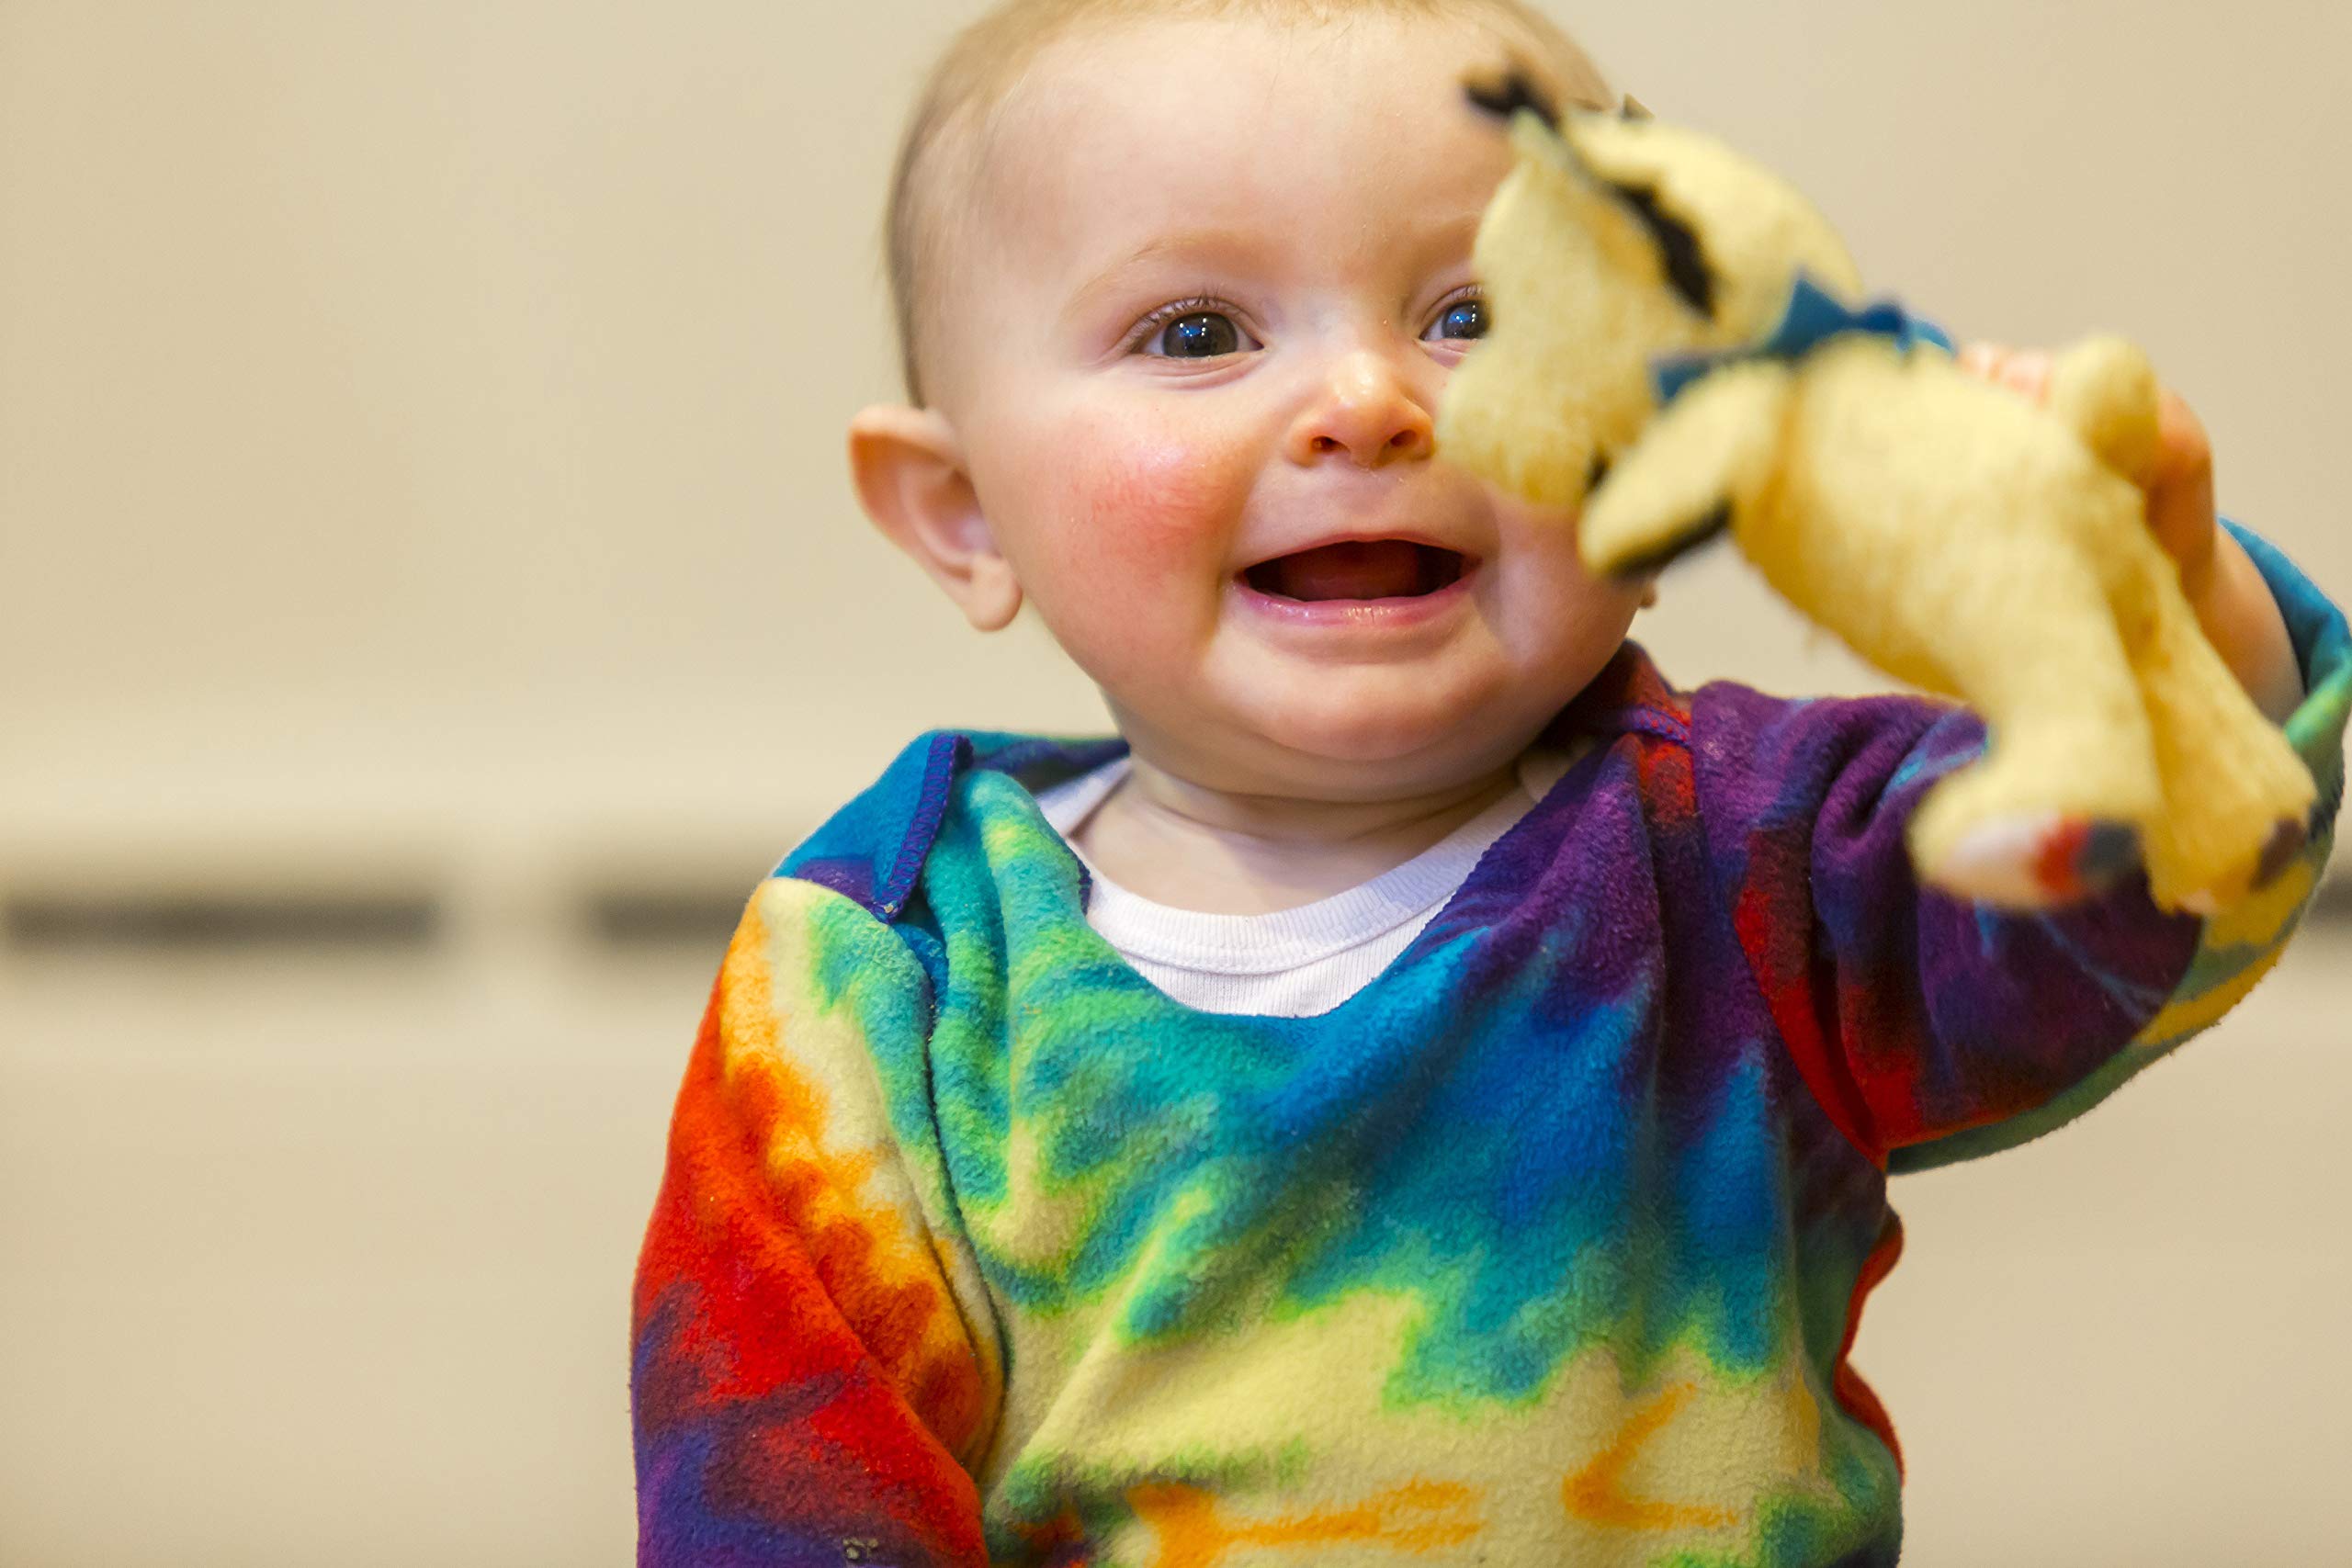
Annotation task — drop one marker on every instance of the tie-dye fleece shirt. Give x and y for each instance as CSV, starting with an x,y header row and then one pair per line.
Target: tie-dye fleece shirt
x,y
1547,1247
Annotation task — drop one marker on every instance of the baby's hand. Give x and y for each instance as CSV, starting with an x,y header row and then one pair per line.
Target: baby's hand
x,y
2232,600
2179,483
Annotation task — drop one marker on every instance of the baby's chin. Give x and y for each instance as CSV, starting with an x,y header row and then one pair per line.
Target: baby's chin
x,y
1377,732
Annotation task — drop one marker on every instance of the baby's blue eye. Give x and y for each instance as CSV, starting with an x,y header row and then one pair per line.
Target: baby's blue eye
x,y
1463,319
1204,335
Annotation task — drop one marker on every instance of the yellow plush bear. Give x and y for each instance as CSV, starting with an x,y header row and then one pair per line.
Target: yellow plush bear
x,y
1673,334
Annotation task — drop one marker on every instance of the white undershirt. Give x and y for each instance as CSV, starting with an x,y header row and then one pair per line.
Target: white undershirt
x,y
1291,963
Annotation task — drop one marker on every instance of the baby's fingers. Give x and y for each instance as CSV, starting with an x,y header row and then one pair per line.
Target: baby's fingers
x,y
1982,359
2180,489
2025,372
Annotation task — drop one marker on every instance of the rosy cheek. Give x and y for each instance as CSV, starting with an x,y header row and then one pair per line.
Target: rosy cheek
x,y
1139,499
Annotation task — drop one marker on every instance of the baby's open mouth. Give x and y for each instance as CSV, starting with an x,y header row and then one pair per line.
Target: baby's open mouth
x,y
1359,569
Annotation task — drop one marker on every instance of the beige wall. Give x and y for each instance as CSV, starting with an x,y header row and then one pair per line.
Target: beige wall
x,y
419,448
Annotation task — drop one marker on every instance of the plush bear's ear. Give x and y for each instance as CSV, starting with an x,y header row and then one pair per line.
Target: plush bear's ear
x,y
1506,92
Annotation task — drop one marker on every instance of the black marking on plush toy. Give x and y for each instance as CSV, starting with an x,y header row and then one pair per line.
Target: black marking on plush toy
x,y
2109,850
2287,842
1686,263
1705,529
1515,90
1597,473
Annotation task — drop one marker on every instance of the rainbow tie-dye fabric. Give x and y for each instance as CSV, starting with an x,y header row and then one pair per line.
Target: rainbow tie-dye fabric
x,y
1548,1246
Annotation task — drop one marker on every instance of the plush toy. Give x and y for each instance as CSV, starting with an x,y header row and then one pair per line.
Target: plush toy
x,y
1674,334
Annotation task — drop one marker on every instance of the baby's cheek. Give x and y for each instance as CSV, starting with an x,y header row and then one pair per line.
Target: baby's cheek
x,y
1141,506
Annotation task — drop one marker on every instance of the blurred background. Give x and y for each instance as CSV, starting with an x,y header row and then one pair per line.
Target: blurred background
x,y
430,596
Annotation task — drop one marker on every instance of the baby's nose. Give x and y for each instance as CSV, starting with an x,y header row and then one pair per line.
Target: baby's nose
x,y
1366,411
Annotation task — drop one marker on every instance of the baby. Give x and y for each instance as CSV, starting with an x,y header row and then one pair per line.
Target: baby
x,y
1427,1087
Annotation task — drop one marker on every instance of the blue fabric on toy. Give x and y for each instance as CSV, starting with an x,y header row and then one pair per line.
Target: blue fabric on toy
x,y
1814,316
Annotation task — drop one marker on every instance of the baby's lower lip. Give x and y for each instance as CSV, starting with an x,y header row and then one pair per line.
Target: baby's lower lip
x,y
1368,614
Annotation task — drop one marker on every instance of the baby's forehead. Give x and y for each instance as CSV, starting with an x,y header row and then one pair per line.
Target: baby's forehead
x,y
1241,125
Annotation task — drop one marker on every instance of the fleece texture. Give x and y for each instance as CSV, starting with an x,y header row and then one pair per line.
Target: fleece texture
x,y
1549,1246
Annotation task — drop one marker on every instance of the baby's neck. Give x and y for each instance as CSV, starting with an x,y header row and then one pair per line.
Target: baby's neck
x,y
1177,843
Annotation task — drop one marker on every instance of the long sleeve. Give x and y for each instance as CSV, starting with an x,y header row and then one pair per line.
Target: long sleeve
x,y
815,1368
1932,1030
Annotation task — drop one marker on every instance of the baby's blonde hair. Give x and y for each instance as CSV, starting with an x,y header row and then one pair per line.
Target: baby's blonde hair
x,y
942,149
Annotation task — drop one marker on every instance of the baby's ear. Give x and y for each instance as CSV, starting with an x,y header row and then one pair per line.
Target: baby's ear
x,y
908,468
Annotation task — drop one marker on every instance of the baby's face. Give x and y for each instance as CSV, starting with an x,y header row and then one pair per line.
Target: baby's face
x,y
1192,351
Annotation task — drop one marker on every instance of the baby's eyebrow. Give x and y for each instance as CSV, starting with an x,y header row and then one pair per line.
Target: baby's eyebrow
x,y
1229,247
1426,244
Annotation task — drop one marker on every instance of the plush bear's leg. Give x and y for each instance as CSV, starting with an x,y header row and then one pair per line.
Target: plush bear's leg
x,y
2055,809
2237,800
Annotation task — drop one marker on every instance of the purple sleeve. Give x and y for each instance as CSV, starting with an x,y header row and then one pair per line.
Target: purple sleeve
x,y
1913,1016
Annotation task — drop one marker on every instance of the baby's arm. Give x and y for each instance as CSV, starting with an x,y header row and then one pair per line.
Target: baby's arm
x,y
808,1384
1932,1030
